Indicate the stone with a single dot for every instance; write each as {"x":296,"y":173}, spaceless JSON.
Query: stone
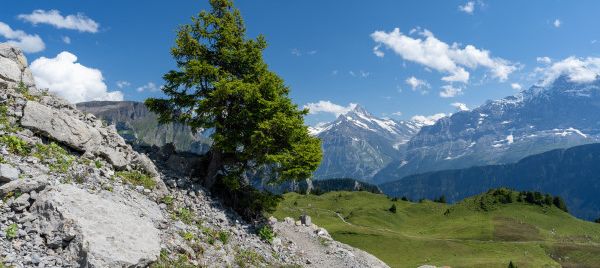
{"x":23,"y":186}
{"x":305,"y":220}
{"x":21,"y":203}
{"x":8,"y":173}
{"x":99,"y":230}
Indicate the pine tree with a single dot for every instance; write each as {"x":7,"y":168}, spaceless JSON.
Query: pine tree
{"x":511,"y":265}
{"x":222,"y":83}
{"x":392,"y":209}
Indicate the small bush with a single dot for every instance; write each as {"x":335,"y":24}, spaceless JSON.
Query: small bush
{"x":188,"y":236}
{"x":57,"y":158}
{"x":164,"y":261}
{"x":168,"y":200}
{"x":11,"y":231}
{"x":248,"y":258}
{"x":224,"y":236}
{"x":392,"y":209}
{"x":266,"y":233}
{"x":98,"y":164}
{"x":441,"y":199}
{"x":185,"y":215}
{"x":16,"y":145}
{"x":597,"y":220}
{"x":137,"y":178}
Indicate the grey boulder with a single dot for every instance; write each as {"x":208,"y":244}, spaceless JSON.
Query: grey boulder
{"x":99,"y":230}
{"x":8,"y":173}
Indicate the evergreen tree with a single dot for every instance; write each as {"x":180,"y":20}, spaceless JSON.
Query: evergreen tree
{"x":392,"y":209}
{"x":511,"y":265}
{"x":560,"y":203}
{"x":222,"y":83}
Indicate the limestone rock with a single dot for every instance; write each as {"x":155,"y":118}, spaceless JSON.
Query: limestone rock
{"x":99,"y":231}
{"x":8,"y":173}
{"x":60,"y":126}
{"x":23,"y":186}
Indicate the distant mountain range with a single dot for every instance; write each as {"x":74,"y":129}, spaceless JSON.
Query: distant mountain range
{"x":358,"y":144}
{"x":560,"y":115}
{"x":138,"y":125}
{"x":573,"y":174}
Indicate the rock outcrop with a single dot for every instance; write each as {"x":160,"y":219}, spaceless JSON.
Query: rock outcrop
{"x":74,"y":194}
{"x":105,"y":230}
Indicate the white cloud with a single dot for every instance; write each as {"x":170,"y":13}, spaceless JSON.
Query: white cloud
{"x":460,"y":106}
{"x":418,"y":84}
{"x":516,"y":86}
{"x":297,"y":52}
{"x":78,"y":22}
{"x":378,"y":52}
{"x":361,"y":74}
{"x":27,"y":42}
{"x":328,"y":107}
{"x":123,"y":84}
{"x":468,"y":7}
{"x":557,"y":23}
{"x":66,"y":39}
{"x":428,"y":120}
{"x":148,"y":87}
{"x":545,"y":60}
{"x":438,"y":55}
{"x":580,"y":70}
{"x":449,"y":91}
{"x":397,"y":113}
{"x":71,"y":80}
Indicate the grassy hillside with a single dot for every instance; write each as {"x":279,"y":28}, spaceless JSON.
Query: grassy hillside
{"x":477,"y":232}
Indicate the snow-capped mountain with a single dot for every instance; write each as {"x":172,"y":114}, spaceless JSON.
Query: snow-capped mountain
{"x":358,"y":144}
{"x":560,"y":115}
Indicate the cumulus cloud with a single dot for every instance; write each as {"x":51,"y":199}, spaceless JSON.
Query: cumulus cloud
{"x":460,"y":106}
{"x":516,"y":86}
{"x":449,"y":91}
{"x":453,"y":60}
{"x":557,"y":23}
{"x":428,"y":120}
{"x":416,"y":83}
{"x":78,"y":22}
{"x":148,"y":87}
{"x":66,"y":40}
{"x":71,"y":80}
{"x":545,"y":60}
{"x":27,"y":42}
{"x":328,"y":107}
{"x":468,"y":7}
{"x":580,"y":70}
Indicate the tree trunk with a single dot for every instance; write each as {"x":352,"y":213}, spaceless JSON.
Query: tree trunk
{"x":215,"y":165}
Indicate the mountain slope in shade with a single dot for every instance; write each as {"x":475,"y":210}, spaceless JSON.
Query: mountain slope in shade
{"x":560,"y":115}
{"x":138,"y":125}
{"x":358,"y":144}
{"x":573,"y":174}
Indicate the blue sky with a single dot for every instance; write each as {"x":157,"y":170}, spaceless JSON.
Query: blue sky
{"x":325,"y":50}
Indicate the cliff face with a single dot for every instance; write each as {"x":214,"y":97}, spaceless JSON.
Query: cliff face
{"x":140,"y":126}
{"x":73,"y":193}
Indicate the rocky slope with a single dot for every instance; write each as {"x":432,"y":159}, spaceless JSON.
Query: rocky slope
{"x":140,"y":126}
{"x":560,"y":115}
{"x":570,"y":173}
{"x":358,"y":144}
{"x":74,"y":194}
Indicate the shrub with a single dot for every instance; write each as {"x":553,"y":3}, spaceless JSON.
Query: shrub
{"x":98,"y":164}
{"x":247,"y":201}
{"x":248,"y":258}
{"x":57,"y":158}
{"x":560,"y":203}
{"x":224,"y":236}
{"x":392,"y":209}
{"x":266,"y":233}
{"x":16,"y":145}
{"x":164,"y":261}
{"x":597,"y":220}
{"x":404,"y":198}
{"x":185,"y":215}
{"x":441,"y":199}
{"x":511,"y":265}
{"x":137,"y":178}
{"x":11,"y":231}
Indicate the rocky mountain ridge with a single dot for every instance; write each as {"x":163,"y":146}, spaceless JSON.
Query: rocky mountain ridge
{"x":560,"y":115}
{"x":75,"y":194}
{"x":358,"y":144}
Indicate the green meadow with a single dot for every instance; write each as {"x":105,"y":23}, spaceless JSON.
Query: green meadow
{"x":476,"y":232}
